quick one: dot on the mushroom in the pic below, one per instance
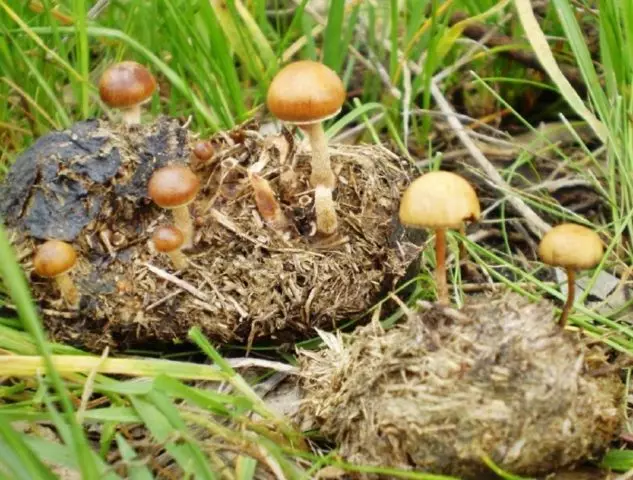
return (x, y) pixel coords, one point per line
(439, 200)
(54, 259)
(306, 93)
(174, 187)
(127, 85)
(267, 205)
(169, 239)
(202, 151)
(572, 247)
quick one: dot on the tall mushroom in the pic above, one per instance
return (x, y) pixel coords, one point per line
(174, 187)
(127, 85)
(54, 259)
(169, 240)
(439, 200)
(572, 247)
(306, 93)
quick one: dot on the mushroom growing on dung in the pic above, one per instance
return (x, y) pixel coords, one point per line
(572, 247)
(54, 259)
(174, 187)
(307, 93)
(127, 86)
(439, 200)
(202, 152)
(169, 240)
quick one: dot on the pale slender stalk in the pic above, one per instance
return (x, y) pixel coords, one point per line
(440, 268)
(326, 219)
(322, 173)
(178, 259)
(68, 290)
(571, 294)
(132, 115)
(182, 219)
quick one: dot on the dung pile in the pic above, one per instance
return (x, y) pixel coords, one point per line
(445, 388)
(246, 281)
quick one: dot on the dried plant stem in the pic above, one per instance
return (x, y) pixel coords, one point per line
(440, 268)
(327, 221)
(132, 116)
(322, 173)
(67, 288)
(182, 219)
(178, 259)
(571, 293)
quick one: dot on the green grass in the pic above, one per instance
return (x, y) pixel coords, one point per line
(215, 60)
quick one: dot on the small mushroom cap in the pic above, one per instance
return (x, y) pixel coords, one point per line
(439, 200)
(305, 92)
(571, 246)
(167, 238)
(203, 150)
(126, 84)
(173, 186)
(54, 258)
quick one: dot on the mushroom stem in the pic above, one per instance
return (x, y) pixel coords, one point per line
(67, 288)
(571, 294)
(182, 219)
(326, 220)
(322, 173)
(440, 268)
(132, 115)
(178, 259)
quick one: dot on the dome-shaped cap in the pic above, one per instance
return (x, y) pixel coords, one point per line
(203, 150)
(571, 246)
(439, 200)
(167, 238)
(305, 92)
(54, 258)
(126, 84)
(173, 186)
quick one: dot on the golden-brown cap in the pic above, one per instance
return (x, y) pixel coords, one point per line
(571, 246)
(173, 186)
(167, 238)
(203, 150)
(439, 200)
(305, 92)
(126, 84)
(54, 258)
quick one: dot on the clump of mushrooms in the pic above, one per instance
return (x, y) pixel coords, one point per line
(439, 200)
(572, 247)
(306, 93)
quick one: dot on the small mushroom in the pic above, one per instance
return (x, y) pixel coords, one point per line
(307, 93)
(174, 187)
(267, 205)
(127, 85)
(439, 200)
(54, 259)
(572, 247)
(169, 239)
(202, 151)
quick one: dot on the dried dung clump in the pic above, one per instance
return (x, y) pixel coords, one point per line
(445, 387)
(246, 280)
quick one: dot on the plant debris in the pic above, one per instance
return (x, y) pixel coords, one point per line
(247, 279)
(446, 387)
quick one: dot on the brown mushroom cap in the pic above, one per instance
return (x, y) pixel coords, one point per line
(439, 200)
(126, 84)
(203, 150)
(173, 186)
(571, 246)
(305, 92)
(167, 238)
(54, 258)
